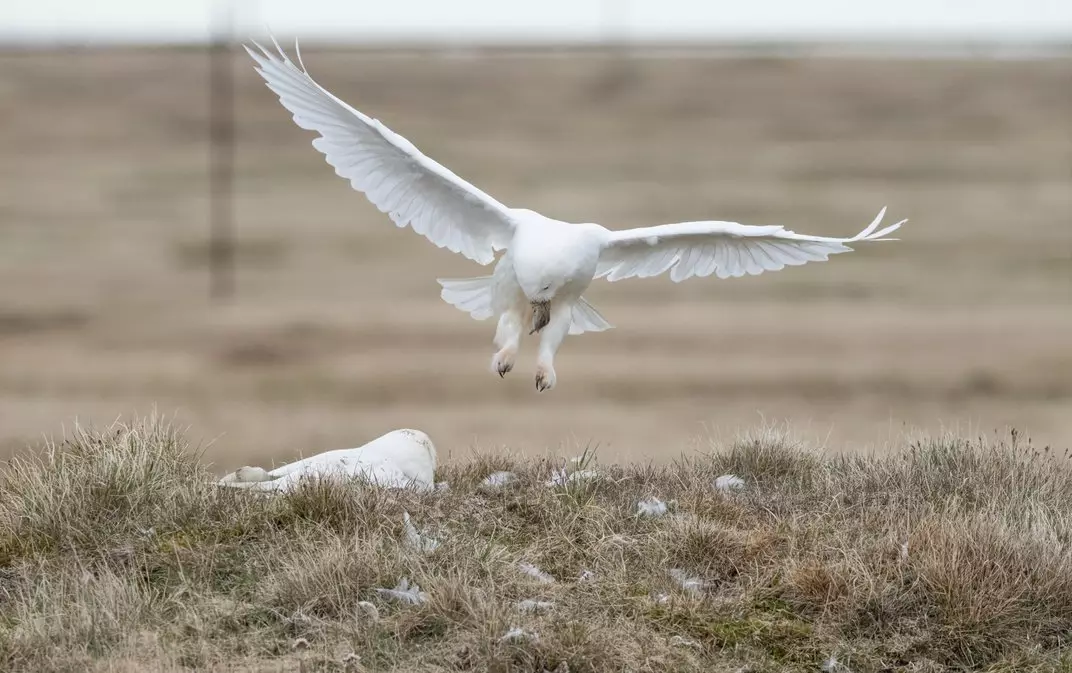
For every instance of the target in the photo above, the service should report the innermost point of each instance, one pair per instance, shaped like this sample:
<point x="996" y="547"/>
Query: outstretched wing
<point x="411" y="188"/>
<point x="726" y="249"/>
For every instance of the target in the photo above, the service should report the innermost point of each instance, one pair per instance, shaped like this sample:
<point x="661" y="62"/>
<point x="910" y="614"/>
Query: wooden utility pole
<point x="619" y="72"/>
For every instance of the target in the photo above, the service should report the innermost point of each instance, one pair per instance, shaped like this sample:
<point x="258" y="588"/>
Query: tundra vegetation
<point x="119" y="552"/>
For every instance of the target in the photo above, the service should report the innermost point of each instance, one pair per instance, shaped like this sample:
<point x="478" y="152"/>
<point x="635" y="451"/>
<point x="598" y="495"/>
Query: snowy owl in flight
<point x="537" y="284"/>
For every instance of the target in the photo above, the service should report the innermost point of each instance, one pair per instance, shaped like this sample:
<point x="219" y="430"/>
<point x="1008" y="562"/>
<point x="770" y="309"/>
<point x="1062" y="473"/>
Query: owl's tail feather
<point x="474" y="296"/>
<point x="587" y="319"/>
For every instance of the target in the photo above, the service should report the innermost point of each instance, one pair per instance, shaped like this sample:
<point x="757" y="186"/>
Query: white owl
<point x="547" y="265"/>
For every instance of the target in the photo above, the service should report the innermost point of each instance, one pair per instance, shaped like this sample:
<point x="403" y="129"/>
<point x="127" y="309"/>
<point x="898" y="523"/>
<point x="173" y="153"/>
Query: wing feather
<point x="726" y="249"/>
<point x="390" y="171"/>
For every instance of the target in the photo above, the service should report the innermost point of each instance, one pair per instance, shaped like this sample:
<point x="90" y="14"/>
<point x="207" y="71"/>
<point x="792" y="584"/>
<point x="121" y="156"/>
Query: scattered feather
<point x="517" y="634"/>
<point x="692" y="585"/>
<point x="586" y="576"/>
<point x="558" y="478"/>
<point x="299" y="617"/>
<point x="535" y="573"/>
<point x="531" y="606"/>
<point x="729" y="482"/>
<point x="662" y="599"/>
<point x="651" y="507"/>
<point x="415" y="540"/>
<point x="679" y="641"/>
<point x="299" y="644"/>
<point x="370" y="610"/>
<point x="404" y="593"/>
<point x="904" y="551"/>
<point x="562" y="478"/>
<point x="831" y="665"/>
<point x="497" y="480"/>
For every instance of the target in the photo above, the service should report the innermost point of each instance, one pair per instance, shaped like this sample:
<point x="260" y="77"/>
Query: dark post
<point x="618" y="74"/>
<point x="221" y="159"/>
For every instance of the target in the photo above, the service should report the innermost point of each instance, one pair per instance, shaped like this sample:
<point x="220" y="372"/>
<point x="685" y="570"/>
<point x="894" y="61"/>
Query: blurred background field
<point x="336" y="333"/>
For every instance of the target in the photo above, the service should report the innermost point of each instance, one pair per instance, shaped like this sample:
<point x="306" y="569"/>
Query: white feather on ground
<point x="729" y="482"/>
<point x="561" y="477"/>
<point x="651" y="507"/>
<point x="693" y="585"/>
<point x="534" y="606"/>
<point x="402" y="458"/>
<point x="497" y="480"/>
<point x="518" y="634"/>
<point x="369" y="610"/>
<point x="404" y="592"/>
<point x="416" y="540"/>
<point x="681" y="641"/>
<point x="535" y="573"/>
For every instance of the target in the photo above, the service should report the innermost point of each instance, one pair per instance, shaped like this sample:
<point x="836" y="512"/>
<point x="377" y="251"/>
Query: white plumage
<point x="537" y="283"/>
<point x="399" y="459"/>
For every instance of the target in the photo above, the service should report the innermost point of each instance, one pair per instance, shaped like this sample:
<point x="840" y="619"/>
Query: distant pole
<point x="616" y="45"/>
<point x="221" y="156"/>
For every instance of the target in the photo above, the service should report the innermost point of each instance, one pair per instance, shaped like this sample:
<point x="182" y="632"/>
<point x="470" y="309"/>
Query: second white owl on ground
<point x="538" y="282"/>
<point x="403" y="458"/>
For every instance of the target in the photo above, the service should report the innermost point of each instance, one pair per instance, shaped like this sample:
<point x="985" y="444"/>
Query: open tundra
<point x="119" y="553"/>
<point x="538" y="283"/>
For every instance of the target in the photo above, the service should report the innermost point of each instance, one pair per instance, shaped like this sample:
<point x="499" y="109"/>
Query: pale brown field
<point x="337" y="332"/>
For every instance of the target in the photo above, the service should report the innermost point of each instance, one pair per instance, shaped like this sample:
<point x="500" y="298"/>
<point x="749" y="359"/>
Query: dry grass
<point x="118" y="553"/>
<point x="337" y="333"/>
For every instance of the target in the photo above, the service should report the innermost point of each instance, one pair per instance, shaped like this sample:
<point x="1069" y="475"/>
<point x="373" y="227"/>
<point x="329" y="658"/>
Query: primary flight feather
<point x="536" y="285"/>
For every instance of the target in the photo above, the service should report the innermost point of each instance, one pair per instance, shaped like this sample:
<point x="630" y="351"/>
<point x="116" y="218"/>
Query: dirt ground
<point x="337" y="333"/>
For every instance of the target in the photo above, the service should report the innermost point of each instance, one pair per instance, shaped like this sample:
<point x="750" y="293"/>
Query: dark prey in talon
<point x="541" y="315"/>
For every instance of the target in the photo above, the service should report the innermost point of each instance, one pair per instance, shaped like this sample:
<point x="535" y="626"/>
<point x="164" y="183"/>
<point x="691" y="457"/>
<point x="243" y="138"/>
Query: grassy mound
<point x="117" y="552"/>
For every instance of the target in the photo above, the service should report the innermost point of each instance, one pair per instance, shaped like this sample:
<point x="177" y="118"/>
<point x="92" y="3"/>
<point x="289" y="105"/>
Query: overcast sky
<point x="506" y="20"/>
